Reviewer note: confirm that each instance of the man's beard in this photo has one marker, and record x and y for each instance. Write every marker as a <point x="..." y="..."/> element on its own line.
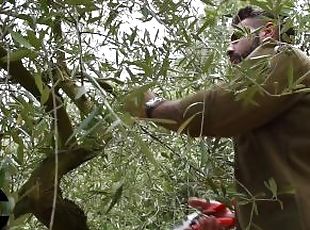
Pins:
<point x="237" y="58"/>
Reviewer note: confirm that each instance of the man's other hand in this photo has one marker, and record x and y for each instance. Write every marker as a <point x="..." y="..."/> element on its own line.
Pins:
<point x="206" y="223"/>
<point x="217" y="215"/>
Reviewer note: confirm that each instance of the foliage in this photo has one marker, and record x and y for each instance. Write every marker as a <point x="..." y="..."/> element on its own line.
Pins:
<point x="67" y="66"/>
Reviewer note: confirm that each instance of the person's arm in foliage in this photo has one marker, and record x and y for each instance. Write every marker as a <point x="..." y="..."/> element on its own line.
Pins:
<point x="217" y="112"/>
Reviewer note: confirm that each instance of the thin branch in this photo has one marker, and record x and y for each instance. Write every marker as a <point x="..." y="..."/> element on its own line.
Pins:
<point x="56" y="146"/>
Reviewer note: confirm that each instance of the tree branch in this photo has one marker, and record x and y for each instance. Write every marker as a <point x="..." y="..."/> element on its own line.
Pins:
<point x="36" y="195"/>
<point x="68" y="215"/>
<point x="61" y="73"/>
<point x="21" y="75"/>
<point x="62" y="76"/>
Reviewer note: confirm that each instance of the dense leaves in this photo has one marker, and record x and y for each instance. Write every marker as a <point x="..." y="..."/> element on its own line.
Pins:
<point x="67" y="66"/>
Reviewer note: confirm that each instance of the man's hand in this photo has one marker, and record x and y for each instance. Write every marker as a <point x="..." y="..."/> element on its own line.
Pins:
<point x="134" y="103"/>
<point x="206" y="223"/>
<point x="217" y="215"/>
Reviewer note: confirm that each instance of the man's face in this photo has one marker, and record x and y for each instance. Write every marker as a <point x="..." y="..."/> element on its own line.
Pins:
<point x="242" y="44"/>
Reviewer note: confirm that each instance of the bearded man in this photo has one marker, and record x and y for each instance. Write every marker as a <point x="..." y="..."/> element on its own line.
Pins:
<point x="271" y="133"/>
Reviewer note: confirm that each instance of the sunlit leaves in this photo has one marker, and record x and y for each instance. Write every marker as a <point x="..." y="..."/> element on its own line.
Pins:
<point x="43" y="89"/>
<point x="117" y="193"/>
<point x="21" y="40"/>
<point x="18" y="55"/>
<point x="272" y="186"/>
<point x="208" y="62"/>
<point x="116" y="51"/>
<point x="19" y="157"/>
<point x="274" y="7"/>
<point x="79" y="2"/>
<point x="34" y="40"/>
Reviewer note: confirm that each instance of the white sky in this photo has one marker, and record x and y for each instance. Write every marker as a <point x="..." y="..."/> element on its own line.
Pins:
<point x="152" y="26"/>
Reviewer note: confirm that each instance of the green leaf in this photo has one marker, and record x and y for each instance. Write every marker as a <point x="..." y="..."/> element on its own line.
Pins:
<point x="204" y="157"/>
<point x="25" y="17"/>
<point x="145" y="149"/>
<point x="118" y="190"/>
<point x="106" y="67"/>
<point x="208" y="62"/>
<point x="131" y="75"/>
<point x="16" y="138"/>
<point x="45" y="95"/>
<point x="248" y="96"/>
<point x="272" y="186"/>
<point x="136" y="96"/>
<point x="2" y="176"/>
<point x="34" y="41"/>
<point x="127" y="119"/>
<point x="20" y="221"/>
<point x="20" y="154"/>
<point x="79" y="2"/>
<point x="260" y="57"/>
<point x="16" y="55"/>
<point x="255" y="208"/>
<point x="21" y="40"/>
<point x="210" y="183"/>
<point x="305" y="90"/>
<point x="85" y="124"/>
<point x="26" y="117"/>
<point x="186" y="36"/>
<point x="38" y="82"/>
<point x="145" y="12"/>
<point x="113" y="14"/>
<point x="163" y="121"/>
<point x="133" y="35"/>
<point x="203" y="27"/>
<point x="186" y="122"/>
<point x="262" y="4"/>
<point x="243" y="202"/>
<point x="94" y="19"/>
<point x="165" y="66"/>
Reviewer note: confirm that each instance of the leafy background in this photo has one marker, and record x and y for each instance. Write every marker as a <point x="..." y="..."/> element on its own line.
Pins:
<point x="92" y="54"/>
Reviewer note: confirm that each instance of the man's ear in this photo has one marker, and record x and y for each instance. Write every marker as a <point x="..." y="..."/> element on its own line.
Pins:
<point x="269" y="31"/>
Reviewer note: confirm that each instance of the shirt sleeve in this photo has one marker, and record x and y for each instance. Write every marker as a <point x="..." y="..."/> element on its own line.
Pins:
<point x="219" y="112"/>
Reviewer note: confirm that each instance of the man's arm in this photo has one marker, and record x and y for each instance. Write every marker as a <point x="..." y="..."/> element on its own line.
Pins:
<point x="216" y="112"/>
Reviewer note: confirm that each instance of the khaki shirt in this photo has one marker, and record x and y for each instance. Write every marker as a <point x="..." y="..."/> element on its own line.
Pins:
<point x="271" y="136"/>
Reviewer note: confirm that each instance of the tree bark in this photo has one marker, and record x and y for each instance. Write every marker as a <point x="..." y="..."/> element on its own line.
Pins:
<point x="37" y="194"/>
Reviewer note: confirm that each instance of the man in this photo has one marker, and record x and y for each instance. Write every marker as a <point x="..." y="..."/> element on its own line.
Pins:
<point x="271" y="132"/>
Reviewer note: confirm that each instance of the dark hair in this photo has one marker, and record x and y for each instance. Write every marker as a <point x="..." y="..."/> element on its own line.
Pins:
<point x="246" y="12"/>
<point x="249" y="12"/>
